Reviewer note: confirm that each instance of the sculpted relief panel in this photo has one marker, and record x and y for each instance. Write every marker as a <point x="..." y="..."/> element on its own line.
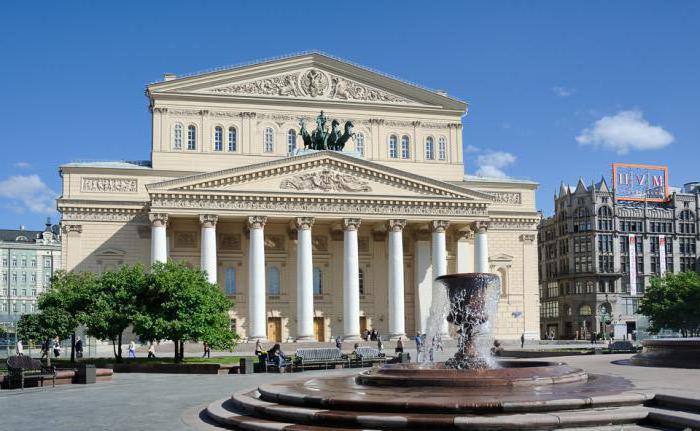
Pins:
<point x="109" y="185"/>
<point x="312" y="83"/>
<point x="326" y="181"/>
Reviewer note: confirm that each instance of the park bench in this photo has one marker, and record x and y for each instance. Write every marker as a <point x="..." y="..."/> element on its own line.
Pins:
<point x="320" y="356"/>
<point x="271" y="362"/>
<point x="367" y="354"/>
<point x="24" y="368"/>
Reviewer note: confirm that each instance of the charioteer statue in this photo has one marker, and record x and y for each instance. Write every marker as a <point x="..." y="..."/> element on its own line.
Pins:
<point x="321" y="138"/>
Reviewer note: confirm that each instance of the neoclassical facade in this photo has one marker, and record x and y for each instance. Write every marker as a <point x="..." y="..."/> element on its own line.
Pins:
<point x="309" y="243"/>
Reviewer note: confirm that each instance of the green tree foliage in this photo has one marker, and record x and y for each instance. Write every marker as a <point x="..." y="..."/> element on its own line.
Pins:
<point x="114" y="301"/>
<point x="673" y="302"/>
<point x="179" y="304"/>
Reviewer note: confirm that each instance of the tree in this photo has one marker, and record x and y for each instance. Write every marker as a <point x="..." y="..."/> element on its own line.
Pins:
<point x="116" y="298"/>
<point x="181" y="305"/>
<point x="62" y="307"/>
<point x="673" y="302"/>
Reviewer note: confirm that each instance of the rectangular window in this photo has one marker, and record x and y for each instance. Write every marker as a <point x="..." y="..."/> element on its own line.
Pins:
<point x="191" y="138"/>
<point x="34" y="263"/>
<point x="47" y="262"/>
<point x="218" y="139"/>
<point x="232" y="139"/>
<point x="230" y="281"/>
<point x="442" y="149"/>
<point x="24" y="262"/>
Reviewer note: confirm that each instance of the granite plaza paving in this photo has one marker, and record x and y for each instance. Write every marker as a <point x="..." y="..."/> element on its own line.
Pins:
<point x="173" y="402"/>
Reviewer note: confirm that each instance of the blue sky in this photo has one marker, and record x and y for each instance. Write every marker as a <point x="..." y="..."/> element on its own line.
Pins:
<point x="556" y="90"/>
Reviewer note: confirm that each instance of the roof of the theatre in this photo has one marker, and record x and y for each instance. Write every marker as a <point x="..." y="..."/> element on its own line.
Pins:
<point x="116" y="164"/>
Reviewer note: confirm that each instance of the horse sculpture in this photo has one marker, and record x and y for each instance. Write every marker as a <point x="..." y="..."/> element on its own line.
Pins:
<point x="321" y="138"/>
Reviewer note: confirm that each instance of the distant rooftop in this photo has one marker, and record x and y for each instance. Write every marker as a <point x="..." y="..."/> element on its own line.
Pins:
<point x="118" y="164"/>
<point x="498" y="179"/>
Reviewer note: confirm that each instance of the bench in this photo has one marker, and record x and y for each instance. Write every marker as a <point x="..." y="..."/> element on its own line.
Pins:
<point x="24" y="367"/>
<point x="320" y="356"/>
<point x="271" y="362"/>
<point x="369" y="354"/>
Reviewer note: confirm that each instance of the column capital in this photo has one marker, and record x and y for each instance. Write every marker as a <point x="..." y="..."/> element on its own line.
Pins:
<point x="439" y="226"/>
<point x="351" y="223"/>
<point x="396" y="225"/>
<point x="208" y="220"/>
<point x="158" y="219"/>
<point x="465" y="233"/>
<point x="481" y="226"/>
<point x="304" y="223"/>
<point x="256" y="222"/>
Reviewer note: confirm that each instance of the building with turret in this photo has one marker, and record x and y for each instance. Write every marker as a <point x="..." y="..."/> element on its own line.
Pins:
<point x="598" y="252"/>
<point x="28" y="260"/>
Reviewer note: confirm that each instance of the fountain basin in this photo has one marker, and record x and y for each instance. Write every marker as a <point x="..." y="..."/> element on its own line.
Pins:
<point x="509" y="373"/>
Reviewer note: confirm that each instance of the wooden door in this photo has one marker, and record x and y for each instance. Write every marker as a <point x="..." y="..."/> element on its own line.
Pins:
<point x="274" y="329"/>
<point x="319" y="329"/>
<point x="363" y="325"/>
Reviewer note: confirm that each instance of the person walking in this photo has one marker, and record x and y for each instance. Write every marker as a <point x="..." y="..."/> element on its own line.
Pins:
<point x="45" y="349"/>
<point x="56" y="348"/>
<point x="78" y="348"/>
<point x="380" y="345"/>
<point x="419" y="347"/>
<point x="594" y="338"/>
<point x="522" y="340"/>
<point x="132" y="349"/>
<point x="152" y="351"/>
<point x="207" y="350"/>
<point x="399" y="346"/>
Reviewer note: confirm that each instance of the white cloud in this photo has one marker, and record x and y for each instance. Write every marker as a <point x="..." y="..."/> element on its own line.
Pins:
<point x="23" y="165"/>
<point x="491" y="164"/>
<point x="625" y="131"/>
<point x="562" y="91"/>
<point x="27" y="192"/>
<point x="471" y="149"/>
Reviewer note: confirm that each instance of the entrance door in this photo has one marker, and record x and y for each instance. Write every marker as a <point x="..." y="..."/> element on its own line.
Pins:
<point x="319" y="329"/>
<point x="363" y="325"/>
<point x="274" y="329"/>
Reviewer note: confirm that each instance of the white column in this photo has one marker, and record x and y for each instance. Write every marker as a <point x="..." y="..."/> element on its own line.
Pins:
<point x="440" y="268"/>
<point x="305" y="280"/>
<point x="424" y="282"/>
<point x="159" y="247"/>
<point x="257" y="326"/>
<point x="397" y="326"/>
<point x="351" y="280"/>
<point x="463" y="250"/>
<point x="481" y="247"/>
<point x="208" y="246"/>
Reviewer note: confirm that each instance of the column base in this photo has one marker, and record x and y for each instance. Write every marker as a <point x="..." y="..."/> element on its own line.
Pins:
<point x="304" y="338"/>
<point x="352" y="338"/>
<point x="394" y="337"/>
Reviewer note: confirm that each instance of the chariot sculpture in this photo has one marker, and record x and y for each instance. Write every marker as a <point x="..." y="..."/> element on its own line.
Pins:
<point x="323" y="139"/>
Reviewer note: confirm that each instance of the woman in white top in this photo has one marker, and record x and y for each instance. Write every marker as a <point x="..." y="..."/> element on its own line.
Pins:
<point x="132" y="349"/>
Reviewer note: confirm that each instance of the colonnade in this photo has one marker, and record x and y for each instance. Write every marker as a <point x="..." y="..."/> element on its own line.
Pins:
<point x="257" y="318"/>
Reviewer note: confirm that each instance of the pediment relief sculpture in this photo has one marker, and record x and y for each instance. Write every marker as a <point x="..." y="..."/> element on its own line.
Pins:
<point x="312" y="83"/>
<point x="326" y="181"/>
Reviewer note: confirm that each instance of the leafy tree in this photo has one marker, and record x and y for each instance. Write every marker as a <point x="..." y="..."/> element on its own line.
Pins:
<point x="116" y="297"/>
<point x="63" y="306"/>
<point x="673" y="302"/>
<point x="181" y="305"/>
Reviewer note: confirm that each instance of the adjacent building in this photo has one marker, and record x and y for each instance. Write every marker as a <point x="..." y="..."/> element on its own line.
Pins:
<point x="323" y="197"/>
<point x="598" y="252"/>
<point x="28" y="260"/>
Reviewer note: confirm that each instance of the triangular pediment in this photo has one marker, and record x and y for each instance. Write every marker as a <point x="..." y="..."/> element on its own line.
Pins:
<point x="314" y="76"/>
<point x="319" y="173"/>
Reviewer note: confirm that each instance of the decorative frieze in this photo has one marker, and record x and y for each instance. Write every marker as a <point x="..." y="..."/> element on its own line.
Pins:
<point x="320" y="243"/>
<point x="230" y="242"/>
<point x="185" y="112"/>
<point x="274" y="243"/>
<point x="104" y="214"/>
<point x="71" y="228"/>
<point x="505" y="198"/>
<point x="109" y="185"/>
<point x="326" y="181"/>
<point x="528" y="238"/>
<point x="513" y="224"/>
<point x="185" y="239"/>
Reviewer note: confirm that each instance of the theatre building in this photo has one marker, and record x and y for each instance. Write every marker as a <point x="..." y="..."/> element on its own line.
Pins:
<point x="322" y="197"/>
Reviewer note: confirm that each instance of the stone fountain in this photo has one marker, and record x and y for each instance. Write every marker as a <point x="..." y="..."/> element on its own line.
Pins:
<point x="468" y="391"/>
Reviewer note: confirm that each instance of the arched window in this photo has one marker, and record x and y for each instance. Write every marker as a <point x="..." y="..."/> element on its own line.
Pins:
<point x="269" y="140"/>
<point x="318" y="281"/>
<point x="218" y="139"/>
<point x="605" y="218"/>
<point x="177" y="137"/>
<point x="687" y="222"/>
<point x="429" y="149"/>
<point x="191" y="137"/>
<point x="405" y="150"/>
<point x="393" y="147"/>
<point x="361" y="277"/>
<point x="360" y="143"/>
<point x="273" y="281"/>
<point x="442" y="148"/>
<point x="232" y="139"/>
<point x="585" y="310"/>
<point x="291" y="141"/>
<point x="230" y="281"/>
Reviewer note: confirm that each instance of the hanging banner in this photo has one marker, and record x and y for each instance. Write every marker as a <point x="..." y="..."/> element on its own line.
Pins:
<point x="631" y="241"/>
<point x="662" y="255"/>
